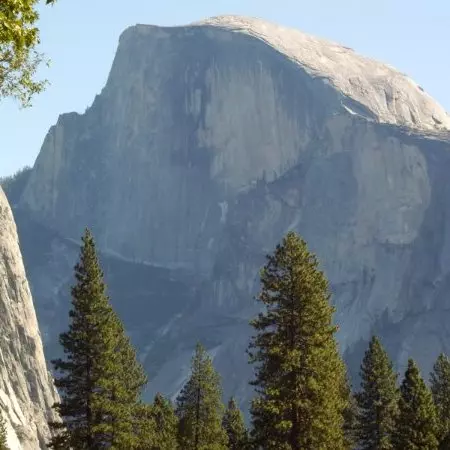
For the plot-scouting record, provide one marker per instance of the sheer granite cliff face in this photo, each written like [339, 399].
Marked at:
[211, 141]
[26, 387]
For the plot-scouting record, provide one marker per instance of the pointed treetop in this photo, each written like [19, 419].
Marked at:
[233, 424]
[377, 400]
[199, 406]
[440, 388]
[99, 379]
[298, 369]
[165, 423]
[417, 425]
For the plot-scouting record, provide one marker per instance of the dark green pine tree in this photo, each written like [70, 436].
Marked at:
[3, 434]
[300, 378]
[144, 427]
[417, 427]
[157, 426]
[123, 380]
[440, 388]
[233, 424]
[377, 400]
[200, 408]
[166, 424]
[99, 379]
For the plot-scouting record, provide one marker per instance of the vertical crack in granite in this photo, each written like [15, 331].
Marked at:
[26, 387]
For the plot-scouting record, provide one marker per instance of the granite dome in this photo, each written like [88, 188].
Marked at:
[384, 93]
[206, 145]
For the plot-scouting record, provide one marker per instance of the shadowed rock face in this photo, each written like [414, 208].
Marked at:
[26, 387]
[207, 144]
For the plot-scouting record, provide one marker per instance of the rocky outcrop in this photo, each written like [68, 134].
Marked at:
[26, 387]
[234, 109]
[209, 142]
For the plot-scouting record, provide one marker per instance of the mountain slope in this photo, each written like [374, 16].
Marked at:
[211, 141]
[26, 387]
[385, 94]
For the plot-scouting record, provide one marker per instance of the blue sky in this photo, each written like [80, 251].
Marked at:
[80, 38]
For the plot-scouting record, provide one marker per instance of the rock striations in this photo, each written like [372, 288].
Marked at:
[386, 94]
[206, 145]
[26, 387]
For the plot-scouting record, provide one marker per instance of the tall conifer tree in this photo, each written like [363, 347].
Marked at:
[3, 434]
[233, 424]
[377, 400]
[440, 388]
[417, 427]
[99, 379]
[144, 427]
[157, 426]
[200, 408]
[166, 424]
[299, 375]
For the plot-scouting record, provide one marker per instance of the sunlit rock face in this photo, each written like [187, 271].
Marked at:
[26, 387]
[207, 144]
